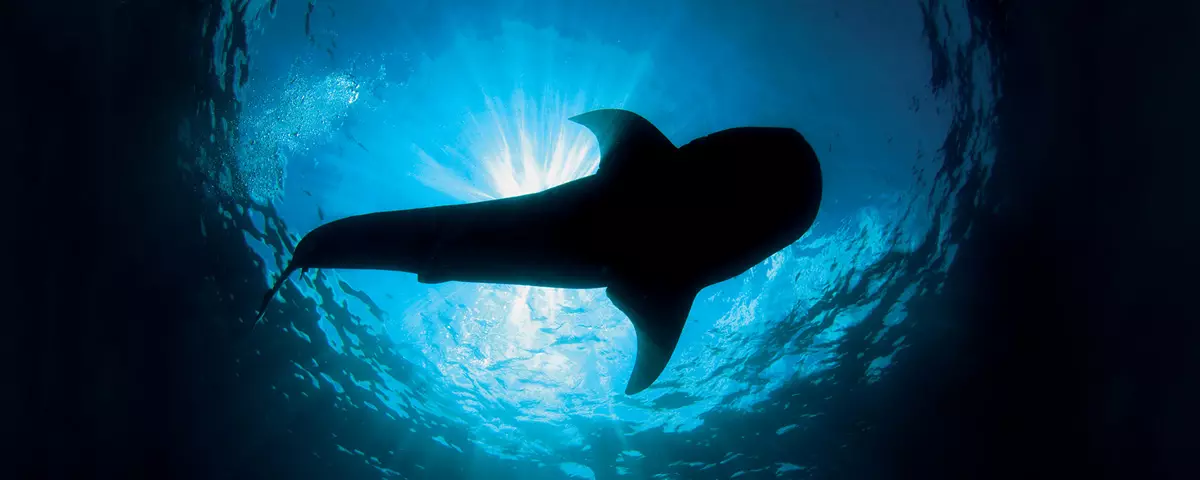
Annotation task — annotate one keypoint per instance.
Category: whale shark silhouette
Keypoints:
(654, 225)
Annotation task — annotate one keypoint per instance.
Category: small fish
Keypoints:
(308, 21)
(356, 142)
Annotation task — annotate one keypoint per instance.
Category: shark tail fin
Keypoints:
(262, 311)
(658, 315)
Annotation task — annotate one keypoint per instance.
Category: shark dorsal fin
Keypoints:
(625, 139)
(658, 315)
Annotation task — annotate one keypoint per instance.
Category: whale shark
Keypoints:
(653, 225)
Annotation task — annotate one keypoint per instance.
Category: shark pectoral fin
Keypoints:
(658, 315)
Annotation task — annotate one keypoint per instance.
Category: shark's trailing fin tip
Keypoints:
(658, 315)
(262, 311)
(624, 137)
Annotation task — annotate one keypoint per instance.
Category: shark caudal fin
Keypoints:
(262, 311)
(658, 315)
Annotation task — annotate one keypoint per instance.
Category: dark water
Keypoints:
(1058, 342)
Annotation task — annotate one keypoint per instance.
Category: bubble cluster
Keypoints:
(288, 122)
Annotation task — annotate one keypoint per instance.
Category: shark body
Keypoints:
(654, 225)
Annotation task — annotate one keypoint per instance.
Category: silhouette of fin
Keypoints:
(658, 315)
(625, 138)
(262, 311)
(431, 278)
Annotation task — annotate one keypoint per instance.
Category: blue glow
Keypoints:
(526, 373)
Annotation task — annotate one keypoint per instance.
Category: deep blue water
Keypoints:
(1001, 283)
(351, 107)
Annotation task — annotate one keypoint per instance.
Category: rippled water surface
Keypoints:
(361, 106)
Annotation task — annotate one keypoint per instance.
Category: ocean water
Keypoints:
(1000, 284)
(329, 109)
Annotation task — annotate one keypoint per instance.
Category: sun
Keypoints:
(518, 146)
(521, 146)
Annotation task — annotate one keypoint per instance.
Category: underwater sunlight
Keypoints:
(405, 106)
